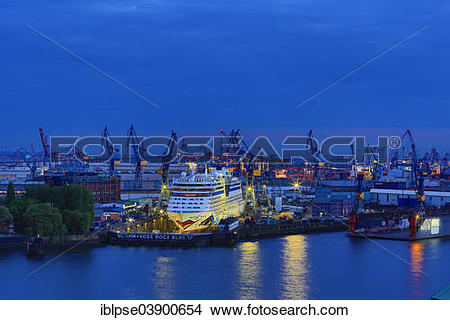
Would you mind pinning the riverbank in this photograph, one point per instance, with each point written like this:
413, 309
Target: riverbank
13, 241
19, 241
242, 233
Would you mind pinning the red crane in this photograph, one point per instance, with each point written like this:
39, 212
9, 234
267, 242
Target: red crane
44, 145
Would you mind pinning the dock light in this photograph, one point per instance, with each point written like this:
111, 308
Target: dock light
417, 216
192, 165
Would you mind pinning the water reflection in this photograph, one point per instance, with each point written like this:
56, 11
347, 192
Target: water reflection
249, 271
416, 254
164, 278
295, 268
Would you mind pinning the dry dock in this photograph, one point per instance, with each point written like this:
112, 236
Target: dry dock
244, 232
255, 231
429, 227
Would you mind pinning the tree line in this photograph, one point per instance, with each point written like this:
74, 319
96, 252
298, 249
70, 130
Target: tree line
49, 210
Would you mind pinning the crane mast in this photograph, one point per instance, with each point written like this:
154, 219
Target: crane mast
164, 171
105, 134
133, 141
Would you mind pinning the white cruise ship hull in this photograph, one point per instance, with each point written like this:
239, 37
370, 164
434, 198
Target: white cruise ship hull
202, 200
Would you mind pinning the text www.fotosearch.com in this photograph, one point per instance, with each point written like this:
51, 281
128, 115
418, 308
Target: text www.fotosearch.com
117, 311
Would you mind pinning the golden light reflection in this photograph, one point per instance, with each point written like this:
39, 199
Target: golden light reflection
416, 253
249, 271
295, 268
163, 278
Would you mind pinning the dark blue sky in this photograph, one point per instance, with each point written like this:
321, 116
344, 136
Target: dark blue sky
221, 64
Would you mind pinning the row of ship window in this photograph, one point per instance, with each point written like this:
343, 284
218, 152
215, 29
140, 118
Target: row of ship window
190, 185
213, 200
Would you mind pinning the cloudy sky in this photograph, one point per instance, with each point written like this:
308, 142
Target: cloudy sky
221, 64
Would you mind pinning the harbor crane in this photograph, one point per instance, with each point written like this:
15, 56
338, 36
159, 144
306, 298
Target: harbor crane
235, 152
133, 141
29, 159
248, 165
401, 157
105, 134
435, 157
357, 208
406, 154
45, 147
164, 171
414, 218
371, 160
373, 163
313, 149
71, 161
432, 162
232, 153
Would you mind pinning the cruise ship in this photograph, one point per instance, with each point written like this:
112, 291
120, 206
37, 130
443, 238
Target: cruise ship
199, 200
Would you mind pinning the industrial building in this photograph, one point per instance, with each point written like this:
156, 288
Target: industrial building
104, 189
334, 201
19, 185
407, 198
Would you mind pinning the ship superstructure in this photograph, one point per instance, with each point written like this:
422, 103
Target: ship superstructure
198, 200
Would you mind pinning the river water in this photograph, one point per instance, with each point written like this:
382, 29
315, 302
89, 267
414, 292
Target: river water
317, 266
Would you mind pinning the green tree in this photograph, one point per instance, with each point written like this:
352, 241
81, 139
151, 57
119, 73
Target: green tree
17, 208
76, 221
10, 193
40, 192
44, 220
74, 197
74, 202
5, 216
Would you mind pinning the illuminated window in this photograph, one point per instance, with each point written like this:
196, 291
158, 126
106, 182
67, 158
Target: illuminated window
435, 225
